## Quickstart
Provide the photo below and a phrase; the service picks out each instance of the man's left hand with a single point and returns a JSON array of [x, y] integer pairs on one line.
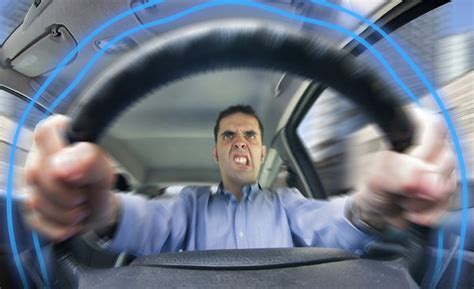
[[415, 186]]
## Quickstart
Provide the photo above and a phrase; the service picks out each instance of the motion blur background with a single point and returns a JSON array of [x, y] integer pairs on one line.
[[441, 43], [335, 132]]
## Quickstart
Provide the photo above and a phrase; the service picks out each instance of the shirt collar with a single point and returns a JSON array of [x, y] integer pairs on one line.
[[248, 190]]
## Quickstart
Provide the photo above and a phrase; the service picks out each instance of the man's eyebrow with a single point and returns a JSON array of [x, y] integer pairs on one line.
[[227, 132], [247, 132]]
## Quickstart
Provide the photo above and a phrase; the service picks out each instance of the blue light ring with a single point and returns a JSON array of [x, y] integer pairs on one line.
[[217, 3], [44, 273], [201, 7]]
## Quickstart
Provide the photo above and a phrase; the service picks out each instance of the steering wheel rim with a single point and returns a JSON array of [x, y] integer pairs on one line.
[[236, 44]]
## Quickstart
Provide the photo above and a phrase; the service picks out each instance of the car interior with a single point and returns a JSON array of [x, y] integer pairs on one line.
[[154, 114]]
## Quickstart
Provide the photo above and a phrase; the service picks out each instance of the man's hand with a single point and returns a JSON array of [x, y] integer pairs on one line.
[[415, 186], [69, 187]]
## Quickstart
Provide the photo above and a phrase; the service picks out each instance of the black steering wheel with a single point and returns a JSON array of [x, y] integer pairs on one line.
[[220, 45]]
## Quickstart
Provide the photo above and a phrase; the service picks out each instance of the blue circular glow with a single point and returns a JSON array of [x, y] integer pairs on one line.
[[167, 20]]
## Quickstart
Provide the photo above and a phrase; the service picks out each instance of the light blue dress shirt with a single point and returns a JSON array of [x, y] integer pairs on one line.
[[203, 218]]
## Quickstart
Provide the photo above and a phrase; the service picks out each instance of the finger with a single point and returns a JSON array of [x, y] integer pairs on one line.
[[49, 230], [55, 214], [416, 205], [32, 168], [430, 217], [82, 164], [428, 213], [49, 134], [446, 161], [404, 175], [431, 136], [452, 183], [58, 193]]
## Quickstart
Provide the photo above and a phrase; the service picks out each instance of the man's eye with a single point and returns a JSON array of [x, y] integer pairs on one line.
[[227, 136], [251, 136]]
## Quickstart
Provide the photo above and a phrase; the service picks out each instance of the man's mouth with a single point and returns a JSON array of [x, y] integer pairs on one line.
[[241, 160]]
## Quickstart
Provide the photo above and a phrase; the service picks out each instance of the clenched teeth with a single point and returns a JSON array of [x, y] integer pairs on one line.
[[241, 160]]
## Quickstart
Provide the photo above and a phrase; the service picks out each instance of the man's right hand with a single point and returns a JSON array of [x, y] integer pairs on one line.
[[69, 186]]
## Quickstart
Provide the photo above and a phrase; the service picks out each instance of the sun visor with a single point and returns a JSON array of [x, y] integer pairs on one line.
[[45, 52]]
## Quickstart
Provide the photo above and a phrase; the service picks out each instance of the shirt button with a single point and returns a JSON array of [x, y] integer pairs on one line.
[[241, 234]]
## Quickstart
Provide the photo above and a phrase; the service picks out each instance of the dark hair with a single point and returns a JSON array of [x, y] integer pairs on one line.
[[245, 109]]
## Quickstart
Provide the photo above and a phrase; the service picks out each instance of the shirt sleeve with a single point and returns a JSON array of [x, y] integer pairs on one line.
[[318, 223], [151, 226]]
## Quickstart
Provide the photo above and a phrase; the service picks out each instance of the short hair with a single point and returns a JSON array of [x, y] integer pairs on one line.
[[245, 109]]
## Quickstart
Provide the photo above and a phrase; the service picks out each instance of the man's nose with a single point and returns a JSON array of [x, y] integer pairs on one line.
[[240, 145]]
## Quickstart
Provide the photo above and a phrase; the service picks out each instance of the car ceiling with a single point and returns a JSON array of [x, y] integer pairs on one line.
[[167, 137]]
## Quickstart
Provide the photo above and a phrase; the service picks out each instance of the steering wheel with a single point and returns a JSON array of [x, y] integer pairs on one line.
[[237, 44]]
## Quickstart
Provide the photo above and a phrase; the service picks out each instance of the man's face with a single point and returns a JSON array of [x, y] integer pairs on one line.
[[239, 151]]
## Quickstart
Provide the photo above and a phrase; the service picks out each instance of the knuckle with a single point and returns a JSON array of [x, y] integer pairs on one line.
[[53, 177], [439, 125], [58, 121], [45, 127], [450, 187], [36, 227], [450, 159], [74, 217], [67, 219], [54, 232], [90, 153], [31, 173], [453, 182], [59, 235], [29, 218], [45, 211], [41, 131], [413, 178], [423, 220]]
